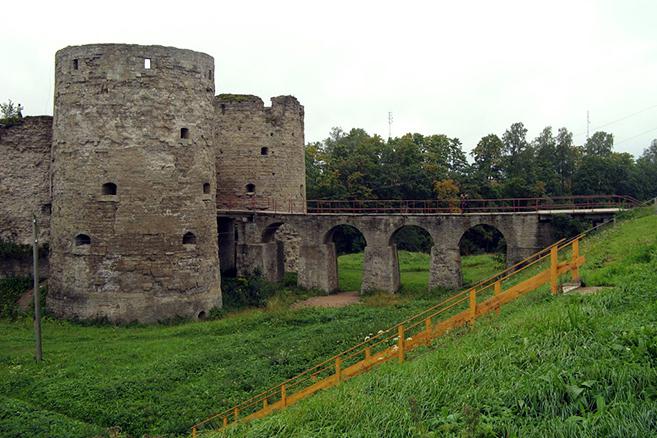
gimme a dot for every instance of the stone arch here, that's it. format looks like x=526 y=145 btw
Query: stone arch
x=482 y=238
x=328 y=235
x=355 y=272
x=414 y=239
x=503 y=232
x=280 y=241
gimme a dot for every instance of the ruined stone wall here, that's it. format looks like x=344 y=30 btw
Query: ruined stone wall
x=25 y=179
x=291 y=244
x=137 y=121
x=260 y=153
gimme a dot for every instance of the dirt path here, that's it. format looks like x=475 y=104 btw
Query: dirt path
x=341 y=299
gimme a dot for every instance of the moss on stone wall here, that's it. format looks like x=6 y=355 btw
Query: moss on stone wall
x=237 y=97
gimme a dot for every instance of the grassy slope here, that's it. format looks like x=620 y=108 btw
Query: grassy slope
x=567 y=366
x=414 y=270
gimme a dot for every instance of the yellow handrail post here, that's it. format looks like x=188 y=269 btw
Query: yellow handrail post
x=368 y=356
x=400 y=342
x=428 y=329
x=194 y=432
x=496 y=291
x=225 y=421
x=473 y=305
x=575 y=255
x=264 y=403
x=553 y=270
x=236 y=413
x=338 y=369
x=283 y=395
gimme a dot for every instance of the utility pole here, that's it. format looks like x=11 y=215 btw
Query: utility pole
x=588 y=124
x=35 y=291
x=389 y=124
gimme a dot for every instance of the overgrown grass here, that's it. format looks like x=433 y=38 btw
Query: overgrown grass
x=570 y=366
x=566 y=366
x=414 y=270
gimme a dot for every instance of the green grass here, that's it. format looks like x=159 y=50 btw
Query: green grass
x=162 y=379
x=565 y=366
x=414 y=270
x=574 y=365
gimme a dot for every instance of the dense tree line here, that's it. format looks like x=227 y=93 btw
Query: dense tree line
x=356 y=165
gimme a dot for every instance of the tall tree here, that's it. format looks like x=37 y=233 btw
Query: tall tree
x=487 y=166
x=601 y=143
x=545 y=147
x=566 y=160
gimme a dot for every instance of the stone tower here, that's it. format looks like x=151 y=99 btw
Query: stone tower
x=133 y=228
x=260 y=153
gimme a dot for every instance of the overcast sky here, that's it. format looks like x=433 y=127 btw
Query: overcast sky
x=465 y=69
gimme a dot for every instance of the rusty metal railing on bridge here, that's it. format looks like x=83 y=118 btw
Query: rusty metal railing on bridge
x=426 y=206
x=466 y=205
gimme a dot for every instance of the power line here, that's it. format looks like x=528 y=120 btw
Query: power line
x=635 y=136
x=620 y=119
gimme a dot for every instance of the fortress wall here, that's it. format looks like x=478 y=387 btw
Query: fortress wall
x=139 y=118
x=262 y=146
x=25 y=179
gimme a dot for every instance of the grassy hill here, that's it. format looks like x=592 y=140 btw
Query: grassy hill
x=574 y=365
x=565 y=366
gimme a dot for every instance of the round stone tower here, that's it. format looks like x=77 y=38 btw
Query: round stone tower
x=134 y=231
x=260 y=153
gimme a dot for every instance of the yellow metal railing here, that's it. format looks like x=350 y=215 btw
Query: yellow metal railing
x=463 y=308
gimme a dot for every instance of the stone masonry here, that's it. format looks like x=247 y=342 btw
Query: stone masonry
x=134 y=227
x=260 y=153
x=25 y=179
x=259 y=246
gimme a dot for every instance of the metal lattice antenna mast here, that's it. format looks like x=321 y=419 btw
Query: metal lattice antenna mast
x=588 y=124
x=389 y=124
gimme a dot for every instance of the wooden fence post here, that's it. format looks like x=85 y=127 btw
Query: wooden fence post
x=473 y=305
x=338 y=369
x=194 y=432
x=428 y=330
x=400 y=342
x=236 y=413
x=283 y=395
x=225 y=421
x=575 y=254
x=553 y=270
x=496 y=291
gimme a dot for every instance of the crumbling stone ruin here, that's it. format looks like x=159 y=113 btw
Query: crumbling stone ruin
x=127 y=176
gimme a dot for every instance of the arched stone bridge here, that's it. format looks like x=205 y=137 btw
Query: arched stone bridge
x=247 y=243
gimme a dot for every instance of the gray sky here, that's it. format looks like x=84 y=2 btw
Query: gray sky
x=465 y=69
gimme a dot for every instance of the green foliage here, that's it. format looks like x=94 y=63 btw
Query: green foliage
x=355 y=165
x=566 y=226
x=236 y=97
x=10 y=249
x=10 y=113
x=482 y=239
x=11 y=289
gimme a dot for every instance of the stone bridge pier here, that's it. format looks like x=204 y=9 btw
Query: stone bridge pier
x=252 y=247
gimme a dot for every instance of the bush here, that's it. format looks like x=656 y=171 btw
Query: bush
x=11 y=290
x=251 y=291
x=10 y=114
